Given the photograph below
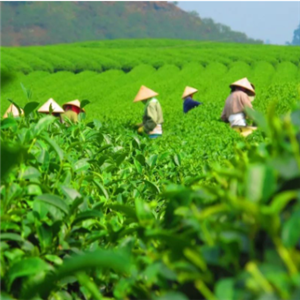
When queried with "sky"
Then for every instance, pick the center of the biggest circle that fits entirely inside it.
(264, 20)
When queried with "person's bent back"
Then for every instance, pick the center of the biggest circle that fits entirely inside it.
(188, 102)
(242, 93)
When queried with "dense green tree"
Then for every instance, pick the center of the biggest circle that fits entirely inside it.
(296, 39)
(33, 23)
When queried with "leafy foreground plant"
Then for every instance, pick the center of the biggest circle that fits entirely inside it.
(82, 216)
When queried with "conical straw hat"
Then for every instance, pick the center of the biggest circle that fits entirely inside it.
(12, 110)
(144, 94)
(188, 91)
(45, 108)
(244, 83)
(74, 103)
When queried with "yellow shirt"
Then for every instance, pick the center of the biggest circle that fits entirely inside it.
(153, 115)
(71, 115)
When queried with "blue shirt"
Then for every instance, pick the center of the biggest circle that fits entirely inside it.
(189, 103)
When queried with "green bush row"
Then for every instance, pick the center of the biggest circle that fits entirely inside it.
(111, 55)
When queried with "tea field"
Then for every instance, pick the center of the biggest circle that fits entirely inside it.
(95, 211)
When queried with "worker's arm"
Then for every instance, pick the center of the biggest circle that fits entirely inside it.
(138, 125)
(189, 104)
(151, 120)
(246, 103)
(149, 125)
(223, 116)
(196, 103)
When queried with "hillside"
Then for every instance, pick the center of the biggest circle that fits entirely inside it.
(41, 23)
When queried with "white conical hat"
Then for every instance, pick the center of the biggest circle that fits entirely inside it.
(188, 91)
(74, 103)
(244, 83)
(12, 110)
(144, 94)
(45, 108)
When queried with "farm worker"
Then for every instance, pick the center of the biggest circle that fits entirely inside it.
(53, 106)
(12, 110)
(153, 115)
(188, 102)
(241, 96)
(72, 110)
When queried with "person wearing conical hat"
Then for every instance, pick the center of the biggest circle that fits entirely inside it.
(72, 110)
(153, 115)
(12, 111)
(53, 106)
(188, 102)
(241, 96)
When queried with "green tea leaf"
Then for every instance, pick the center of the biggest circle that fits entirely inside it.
(104, 259)
(26, 267)
(9, 123)
(290, 231)
(27, 92)
(97, 125)
(258, 117)
(91, 214)
(118, 261)
(143, 211)
(54, 145)
(10, 156)
(261, 183)
(101, 189)
(78, 201)
(177, 159)
(279, 202)
(152, 160)
(30, 107)
(81, 165)
(120, 159)
(138, 166)
(30, 173)
(55, 201)
(153, 186)
(69, 192)
(224, 289)
(195, 258)
(127, 210)
(11, 237)
(172, 296)
(55, 259)
(87, 283)
(34, 189)
(141, 159)
(84, 103)
(43, 124)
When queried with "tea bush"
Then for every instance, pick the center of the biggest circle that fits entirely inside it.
(105, 55)
(94, 211)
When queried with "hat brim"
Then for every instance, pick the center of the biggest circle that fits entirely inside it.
(82, 109)
(241, 86)
(146, 97)
(189, 94)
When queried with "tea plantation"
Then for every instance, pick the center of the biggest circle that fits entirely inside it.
(94, 211)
